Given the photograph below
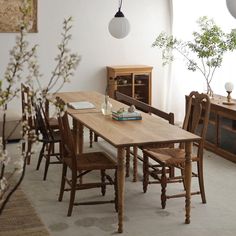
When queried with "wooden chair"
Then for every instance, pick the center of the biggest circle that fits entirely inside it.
(196, 121)
(82, 164)
(148, 109)
(28, 108)
(49, 138)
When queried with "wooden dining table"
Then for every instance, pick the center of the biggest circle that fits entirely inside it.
(124, 134)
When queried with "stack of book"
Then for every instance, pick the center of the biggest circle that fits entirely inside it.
(136, 115)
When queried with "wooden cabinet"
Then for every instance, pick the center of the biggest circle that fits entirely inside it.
(221, 133)
(134, 81)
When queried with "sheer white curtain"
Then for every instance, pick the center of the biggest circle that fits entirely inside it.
(183, 81)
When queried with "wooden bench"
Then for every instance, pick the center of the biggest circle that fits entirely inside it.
(169, 117)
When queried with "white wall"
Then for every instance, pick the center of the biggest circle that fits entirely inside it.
(93, 41)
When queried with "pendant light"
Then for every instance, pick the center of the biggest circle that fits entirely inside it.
(119, 26)
(231, 5)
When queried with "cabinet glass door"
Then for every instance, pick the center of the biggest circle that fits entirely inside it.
(227, 134)
(211, 134)
(141, 88)
(124, 84)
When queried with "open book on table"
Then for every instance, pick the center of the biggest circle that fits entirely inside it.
(81, 105)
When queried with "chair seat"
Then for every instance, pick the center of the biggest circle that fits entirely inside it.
(56, 137)
(167, 156)
(53, 123)
(93, 161)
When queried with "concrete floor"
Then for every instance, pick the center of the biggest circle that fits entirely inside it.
(143, 213)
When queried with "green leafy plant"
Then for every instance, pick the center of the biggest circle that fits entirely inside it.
(204, 53)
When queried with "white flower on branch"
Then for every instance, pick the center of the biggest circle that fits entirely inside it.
(4, 158)
(3, 184)
(19, 164)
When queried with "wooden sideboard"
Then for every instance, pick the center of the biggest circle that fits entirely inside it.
(221, 133)
(131, 80)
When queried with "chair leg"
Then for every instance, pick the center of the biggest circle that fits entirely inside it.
(72, 194)
(23, 145)
(163, 187)
(145, 173)
(40, 156)
(103, 180)
(60, 151)
(135, 164)
(201, 180)
(172, 172)
(183, 177)
(63, 181)
(95, 138)
(90, 138)
(80, 178)
(127, 162)
(116, 191)
(48, 156)
(29, 147)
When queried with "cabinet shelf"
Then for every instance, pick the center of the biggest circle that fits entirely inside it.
(124, 85)
(139, 98)
(226, 127)
(212, 122)
(140, 85)
(134, 81)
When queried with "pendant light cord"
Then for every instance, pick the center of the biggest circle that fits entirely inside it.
(119, 13)
(120, 5)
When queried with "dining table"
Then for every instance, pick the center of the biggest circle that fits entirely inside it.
(125, 134)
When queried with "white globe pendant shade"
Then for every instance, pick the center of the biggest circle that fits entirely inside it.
(231, 5)
(119, 27)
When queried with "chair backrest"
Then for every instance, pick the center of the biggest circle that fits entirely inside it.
(197, 114)
(27, 107)
(67, 140)
(144, 107)
(41, 122)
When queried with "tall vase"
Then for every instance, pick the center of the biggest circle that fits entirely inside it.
(106, 106)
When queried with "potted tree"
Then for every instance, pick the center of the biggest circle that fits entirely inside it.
(204, 53)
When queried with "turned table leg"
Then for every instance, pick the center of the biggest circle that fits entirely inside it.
(121, 181)
(81, 138)
(135, 164)
(188, 177)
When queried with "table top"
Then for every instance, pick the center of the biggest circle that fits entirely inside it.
(149, 130)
